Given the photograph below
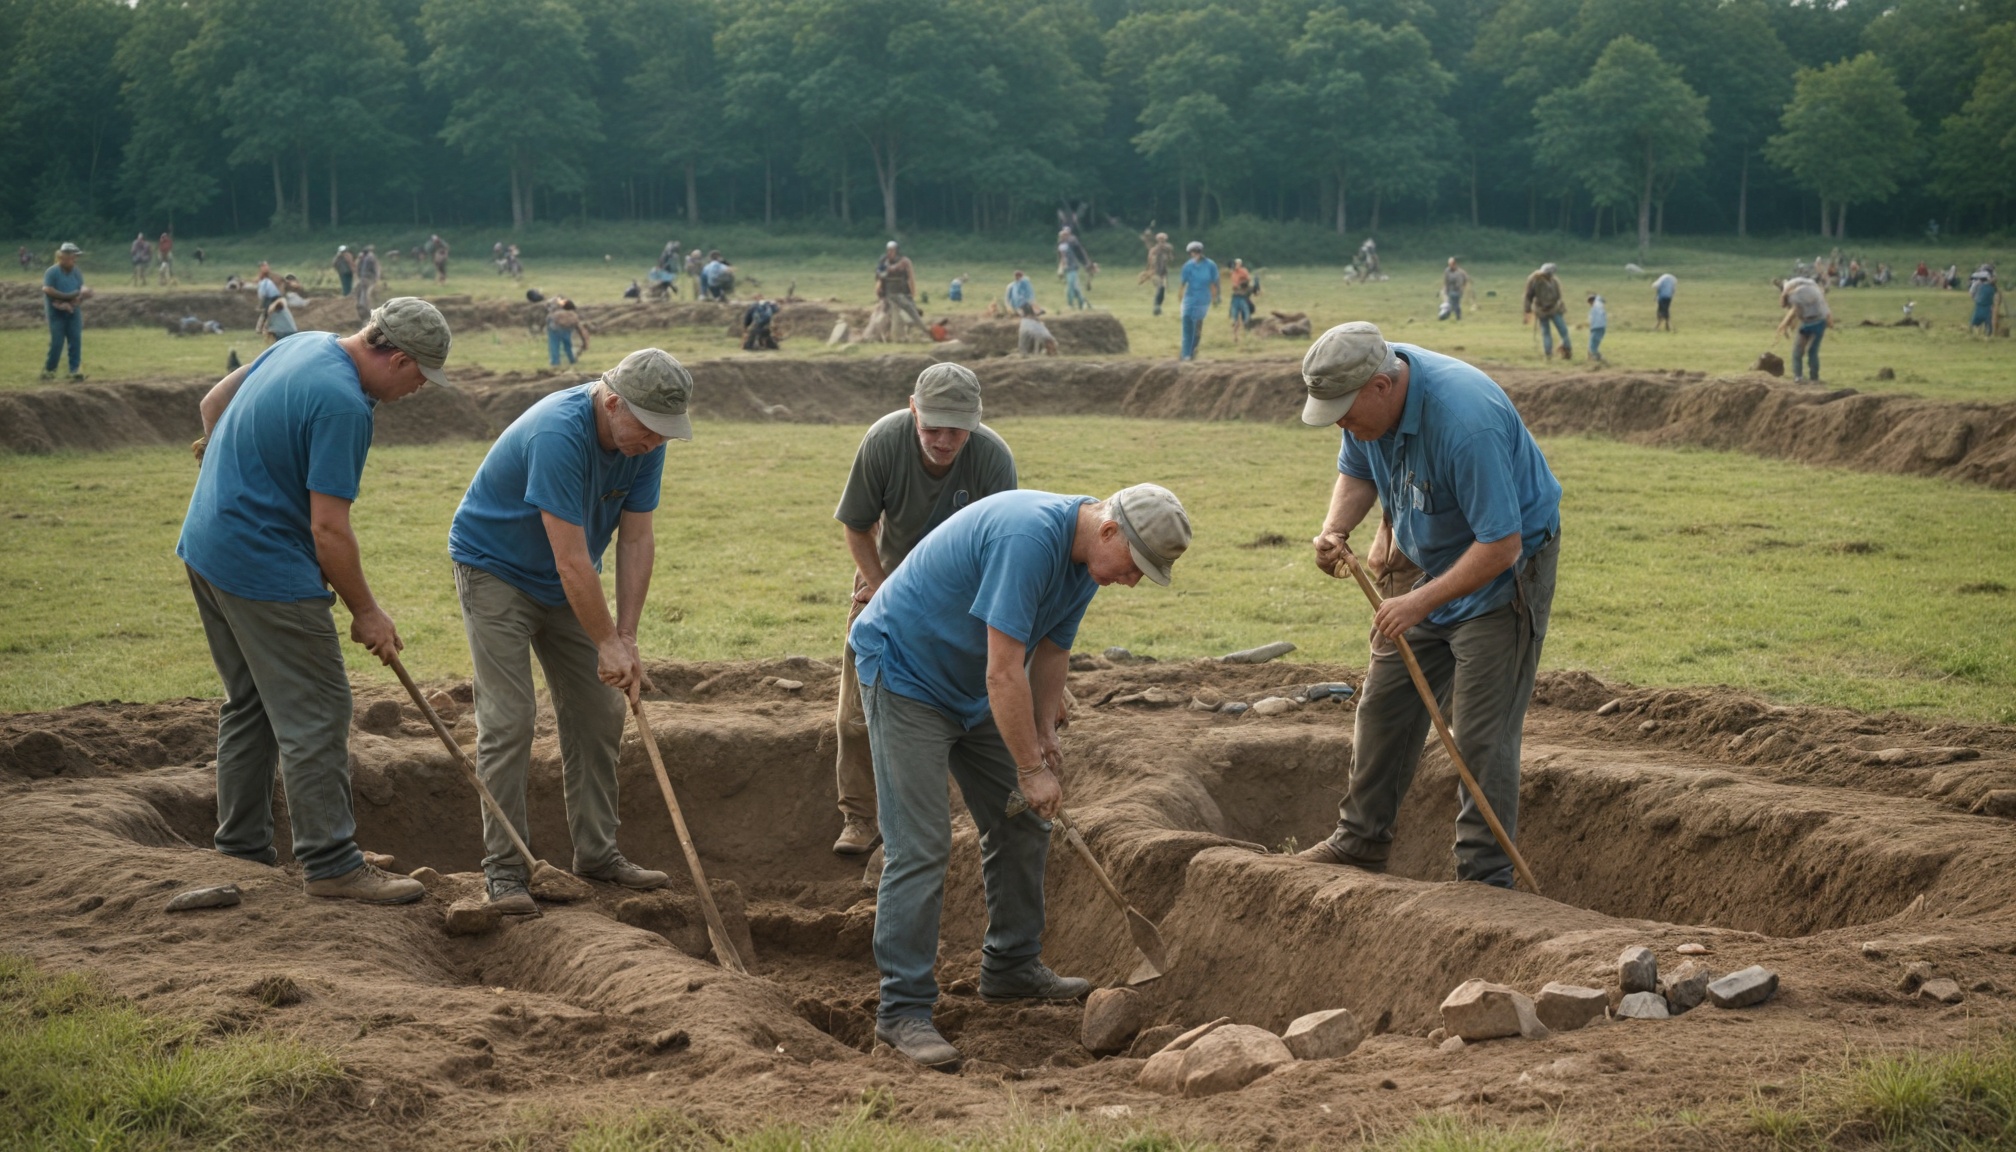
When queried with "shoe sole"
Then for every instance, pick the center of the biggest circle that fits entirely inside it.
(661, 882)
(947, 1066)
(1035, 997)
(851, 850)
(367, 899)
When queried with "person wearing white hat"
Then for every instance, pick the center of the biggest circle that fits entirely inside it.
(1472, 504)
(1544, 302)
(962, 656)
(580, 467)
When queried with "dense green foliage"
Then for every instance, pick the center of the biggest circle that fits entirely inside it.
(1701, 115)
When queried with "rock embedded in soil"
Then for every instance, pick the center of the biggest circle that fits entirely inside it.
(1941, 991)
(1112, 1018)
(1477, 1010)
(1227, 1059)
(218, 896)
(1234, 707)
(2000, 802)
(380, 716)
(1687, 986)
(670, 1040)
(1637, 969)
(427, 877)
(1642, 1006)
(1916, 973)
(470, 917)
(1566, 1007)
(1450, 1044)
(1273, 706)
(1153, 1040)
(1752, 985)
(1323, 1035)
(1260, 655)
(1691, 949)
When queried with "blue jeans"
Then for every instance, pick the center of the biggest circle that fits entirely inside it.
(914, 745)
(286, 699)
(1193, 330)
(1596, 343)
(1072, 295)
(1547, 334)
(1242, 309)
(1455, 300)
(559, 340)
(1808, 345)
(1161, 290)
(65, 327)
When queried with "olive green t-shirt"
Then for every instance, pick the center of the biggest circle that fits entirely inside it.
(889, 484)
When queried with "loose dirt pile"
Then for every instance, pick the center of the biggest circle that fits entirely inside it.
(1832, 847)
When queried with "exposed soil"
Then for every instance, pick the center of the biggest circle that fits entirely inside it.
(1831, 846)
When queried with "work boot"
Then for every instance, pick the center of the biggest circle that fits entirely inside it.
(1327, 852)
(47, 376)
(510, 897)
(622, 872)
(1034, 982)
(858, 835)
(369, 884)
(871, 876)
(1567, 353)
(915, 1038)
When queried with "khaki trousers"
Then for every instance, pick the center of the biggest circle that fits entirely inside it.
(853, 766)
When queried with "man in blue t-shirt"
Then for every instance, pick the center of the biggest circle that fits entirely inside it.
(962, 655)
(267, 535)
(578, 468)
(1195, 295)
(1470, 502)
(63, 296)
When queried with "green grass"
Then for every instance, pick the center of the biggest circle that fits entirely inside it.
(1725, 311)
(1678, 567)
(1959, 1100)
(83, 1069)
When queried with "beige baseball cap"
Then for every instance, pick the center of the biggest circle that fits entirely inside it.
(418, 329)
(948, 396)
(1156, 527)
(1337, 366)
(657, 389)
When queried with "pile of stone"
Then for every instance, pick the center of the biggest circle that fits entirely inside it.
(1477, 1010)
(1211, 1058)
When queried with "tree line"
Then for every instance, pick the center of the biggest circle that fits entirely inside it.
(1608, 116)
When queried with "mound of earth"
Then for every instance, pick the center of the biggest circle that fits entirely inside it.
(1833, 848)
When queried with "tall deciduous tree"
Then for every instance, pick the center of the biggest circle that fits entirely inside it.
(516, 70)
(1619, 132)
(1976, 151)
(167, 167)
(1374, 98)
(1847, 136)
(676, 94)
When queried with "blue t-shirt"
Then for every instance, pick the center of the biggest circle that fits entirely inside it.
(1003, 562)
(1599, 316)
(1459, 468)
(300, 423)
(61, 281)
(548, 460)
(1198, 277)
(1020, 292)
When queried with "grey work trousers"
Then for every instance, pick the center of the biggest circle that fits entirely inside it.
(505, 626)
(365, 290)
(1481, 671)
(853, 762)
(286, 699)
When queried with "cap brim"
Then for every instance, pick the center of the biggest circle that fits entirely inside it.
(946, 418)
(664, 424)
(434, 375)
(1317, 413)
(1147, 566)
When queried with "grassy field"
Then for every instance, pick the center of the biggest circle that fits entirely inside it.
(1678, 567)
(1725, 311)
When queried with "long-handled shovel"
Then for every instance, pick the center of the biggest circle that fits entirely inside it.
(717, 932)
(538, 870)
(1442, 729)
(1155, 958)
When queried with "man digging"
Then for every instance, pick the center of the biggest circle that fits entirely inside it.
(915, 468)
(962, 656)
(267, 535)
(580, 466)
(1474, 506)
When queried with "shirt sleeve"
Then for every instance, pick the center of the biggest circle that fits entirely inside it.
(1013, 570)
(556, 477)
(1485, 489)
(1000, 475)
(337, 445)
(1353, 459)
(643, 495)
(861, 501)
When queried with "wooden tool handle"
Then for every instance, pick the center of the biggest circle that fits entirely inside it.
(1076, 841)
(1442, 728)
(717, 932)
(462, 762)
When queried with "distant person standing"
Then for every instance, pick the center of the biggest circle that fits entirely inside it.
(367, 279)
(1662, 291)
(694, 266)
(345, 265)
(63, 296)
(896, 282)
(1160, 252)
(1983, 288)
(1455, 281)
(956, 290)
(26, 257)
(1195, 296)
(438, 248)
(1544, 303)
(143, 256)
(1805, 302)
(1072, 261)
(563, 323)
(1245, 286)
(1599, 323)
(164, 252)
(1021, 295)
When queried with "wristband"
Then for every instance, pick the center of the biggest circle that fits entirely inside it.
(1026, 773)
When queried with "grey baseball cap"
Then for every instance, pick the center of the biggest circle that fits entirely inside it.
(418, 329)
(71, 249)
(948, 396)
(657, 389)
(1337, 366)
(1156, 527)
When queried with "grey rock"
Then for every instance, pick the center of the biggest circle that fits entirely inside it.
(1260, 655)
(1112, 1017)
(1610, 707)
(1566, 1007)
(1450, 1044)
(1476, 1010)
(1119, 655)
(670, 1040)
(1687, 986)
(1273, 706)
(1941, 991)
(471, 917)
(1153, 1040)
(1231, 1057)
(1184, 1040)
(1642, 1006)
(871, 875)
(1328, 691)
(1753, 985)
(1323, 1035)
(1915, 973)
(1234, 707)
(1637, 969)
(220, 896)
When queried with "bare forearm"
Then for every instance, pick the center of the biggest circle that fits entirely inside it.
(342, 563)
(1008, 697)
(867, 560)
(1480, 564)
(583, 586)
(219, 397)
(1350, 499)
(636, 552)
(1047, 673)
